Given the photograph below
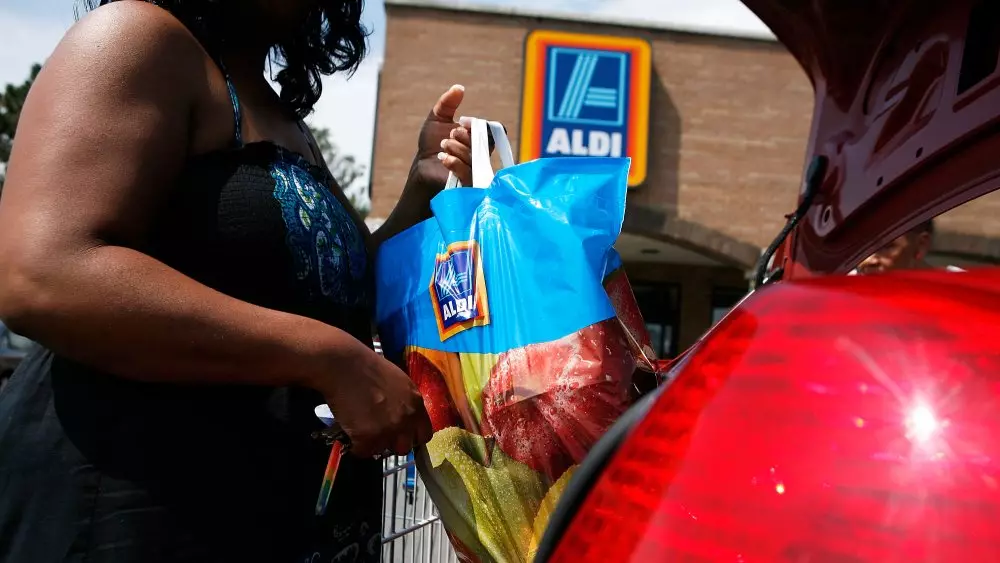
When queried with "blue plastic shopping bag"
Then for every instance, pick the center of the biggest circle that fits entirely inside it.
(497, 307)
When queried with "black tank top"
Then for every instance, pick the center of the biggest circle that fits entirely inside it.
(97, 468)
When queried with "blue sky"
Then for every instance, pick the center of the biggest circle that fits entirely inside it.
(30, 29)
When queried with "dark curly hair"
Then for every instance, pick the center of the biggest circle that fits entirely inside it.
(331, 39)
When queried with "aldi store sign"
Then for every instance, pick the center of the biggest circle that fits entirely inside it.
(586, 95)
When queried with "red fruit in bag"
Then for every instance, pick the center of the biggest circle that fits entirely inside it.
(430, 382)
(546, 404)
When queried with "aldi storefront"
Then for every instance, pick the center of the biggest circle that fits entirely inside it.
(715, 127)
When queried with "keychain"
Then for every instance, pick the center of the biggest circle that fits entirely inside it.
(339, 443)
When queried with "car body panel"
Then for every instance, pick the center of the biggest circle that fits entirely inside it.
(907, 103)
(832, 419)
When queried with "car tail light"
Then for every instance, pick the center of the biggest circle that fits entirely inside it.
(835, 420)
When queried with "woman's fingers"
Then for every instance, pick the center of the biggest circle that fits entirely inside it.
(457, 149)
(423, 431)
(456, 152)
(447, 105)
(462, 135)
(462, 170)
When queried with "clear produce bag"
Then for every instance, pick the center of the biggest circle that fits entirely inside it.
(511, 313)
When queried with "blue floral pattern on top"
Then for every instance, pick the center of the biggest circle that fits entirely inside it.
(328, 249)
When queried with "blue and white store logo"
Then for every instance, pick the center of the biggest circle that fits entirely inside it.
(588, 88)
(586, 95)
(458, 290)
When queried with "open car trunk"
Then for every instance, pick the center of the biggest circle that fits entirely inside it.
(907, 104)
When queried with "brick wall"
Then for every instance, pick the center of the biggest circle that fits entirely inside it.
(426, 52)
(729, 122)
(729, 117)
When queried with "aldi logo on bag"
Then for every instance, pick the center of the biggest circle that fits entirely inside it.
(586, 95)
(458, 290)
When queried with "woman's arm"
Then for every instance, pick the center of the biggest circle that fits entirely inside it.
(103, 134)
(107, 127)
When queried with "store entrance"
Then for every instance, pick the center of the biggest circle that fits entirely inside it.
(660, 307)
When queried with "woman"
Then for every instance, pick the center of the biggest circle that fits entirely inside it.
(171, 237)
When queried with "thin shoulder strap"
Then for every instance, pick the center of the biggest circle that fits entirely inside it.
(235, 100)
(317, 155)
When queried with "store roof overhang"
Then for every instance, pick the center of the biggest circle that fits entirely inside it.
(716, 248)
(534, 11)
(641, 248)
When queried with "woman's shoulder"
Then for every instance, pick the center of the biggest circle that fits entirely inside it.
(127, 53)
(130, 36)
(126, 19)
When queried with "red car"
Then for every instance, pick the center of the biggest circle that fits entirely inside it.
(832, 418)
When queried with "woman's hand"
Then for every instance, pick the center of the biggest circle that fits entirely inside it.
(440, 142)
(443, 141)
(456, 151)
(442, 146)
(376, 404)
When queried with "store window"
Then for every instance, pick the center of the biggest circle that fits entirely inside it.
(660, 306)
(723, 300)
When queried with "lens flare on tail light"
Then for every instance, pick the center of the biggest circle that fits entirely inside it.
(840, 419)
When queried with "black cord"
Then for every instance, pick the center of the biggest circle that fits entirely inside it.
(813, 180)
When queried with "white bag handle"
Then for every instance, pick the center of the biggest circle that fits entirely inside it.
(482, 168)
(502, 144)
